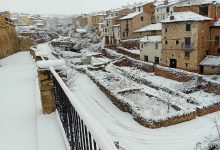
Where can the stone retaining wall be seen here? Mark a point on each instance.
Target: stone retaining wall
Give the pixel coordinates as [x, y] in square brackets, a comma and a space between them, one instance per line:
[208, 110]
[47, 93]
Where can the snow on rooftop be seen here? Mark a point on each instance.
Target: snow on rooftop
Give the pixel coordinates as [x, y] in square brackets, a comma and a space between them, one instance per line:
[144, 3]
[131, 15]
[81, 30]
[58, 64]
[185, 16]
[151, 27]
[151, 39]
[196, 2]
[169, 4]
[117, 25]
[216, 23]
[211, 61]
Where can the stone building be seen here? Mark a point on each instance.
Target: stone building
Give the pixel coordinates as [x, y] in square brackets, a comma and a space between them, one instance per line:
[210, 65]
[94, 19]
[215, 39]
[143, 15]
[80, 21]
[152, 29]
[185, 40]
[8, 38]
[163, 10]
[150, 49]
[111, 24]
[208, 8]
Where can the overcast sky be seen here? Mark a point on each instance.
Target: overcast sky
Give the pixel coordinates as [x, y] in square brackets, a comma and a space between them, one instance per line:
[61, 6]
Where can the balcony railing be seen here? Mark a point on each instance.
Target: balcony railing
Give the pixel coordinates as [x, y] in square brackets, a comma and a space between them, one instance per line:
[187, 47]
[82, 132]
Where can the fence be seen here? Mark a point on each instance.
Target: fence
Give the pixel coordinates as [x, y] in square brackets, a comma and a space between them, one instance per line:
[82, 131]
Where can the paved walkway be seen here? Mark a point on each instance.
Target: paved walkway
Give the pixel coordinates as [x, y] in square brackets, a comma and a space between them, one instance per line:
[22, 125]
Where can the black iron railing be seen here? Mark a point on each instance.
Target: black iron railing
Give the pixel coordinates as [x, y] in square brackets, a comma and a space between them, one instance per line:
[76, 130]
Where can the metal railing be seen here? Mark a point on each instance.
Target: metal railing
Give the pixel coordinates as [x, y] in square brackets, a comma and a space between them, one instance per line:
[187, 47]
[81, 130]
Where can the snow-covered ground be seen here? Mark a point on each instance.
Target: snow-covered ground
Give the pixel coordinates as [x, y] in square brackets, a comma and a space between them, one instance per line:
[23, 126]
[129, 133]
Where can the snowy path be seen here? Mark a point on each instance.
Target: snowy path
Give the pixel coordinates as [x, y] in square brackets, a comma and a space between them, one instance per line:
[22, 126]
[133, 136]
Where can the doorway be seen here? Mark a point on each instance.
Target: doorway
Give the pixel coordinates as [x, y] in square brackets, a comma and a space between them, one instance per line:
[173, 63]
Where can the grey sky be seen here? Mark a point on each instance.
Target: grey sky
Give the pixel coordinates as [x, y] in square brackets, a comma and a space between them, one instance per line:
[61, 6]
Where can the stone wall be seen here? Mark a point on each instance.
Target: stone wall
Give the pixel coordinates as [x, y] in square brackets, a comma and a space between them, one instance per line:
[46, 89]
[132, 55]
[208, 110]
[8, 39]
[25, 43]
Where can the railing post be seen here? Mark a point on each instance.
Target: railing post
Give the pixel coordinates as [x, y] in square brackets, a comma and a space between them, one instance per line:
[46, 89]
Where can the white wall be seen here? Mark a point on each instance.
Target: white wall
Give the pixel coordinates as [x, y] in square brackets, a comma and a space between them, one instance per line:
[150, 51]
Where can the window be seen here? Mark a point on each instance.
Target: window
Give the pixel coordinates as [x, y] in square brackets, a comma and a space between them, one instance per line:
[156, 45]
[168, 9]
[142, 18]
[204, 10]
[165, 29]
[187, 54]
[142, 45]
[140, 33]
[177, 42]
[156, 60]
[188, 27]
[123, 34]
[186, 65]
[218, 50]
[207, 52]
[166, 42]
[216, 40]
[213, 67]
[145, 58]
[127, 34]
[188, 41]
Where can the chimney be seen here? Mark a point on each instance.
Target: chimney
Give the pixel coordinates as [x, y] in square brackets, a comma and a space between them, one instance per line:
[165, 2]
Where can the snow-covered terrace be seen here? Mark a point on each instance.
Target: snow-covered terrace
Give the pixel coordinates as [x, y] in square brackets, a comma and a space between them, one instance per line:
[23, 126]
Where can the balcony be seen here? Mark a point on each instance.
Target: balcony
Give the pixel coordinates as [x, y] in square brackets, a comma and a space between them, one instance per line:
[187, 47]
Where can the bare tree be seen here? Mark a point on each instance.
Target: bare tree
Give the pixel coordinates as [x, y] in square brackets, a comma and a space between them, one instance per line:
[167, 97]
[215, 120]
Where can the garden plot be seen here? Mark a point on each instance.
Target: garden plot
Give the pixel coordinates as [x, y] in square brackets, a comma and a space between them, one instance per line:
[148, 107]
[133, 72]
[205, 99]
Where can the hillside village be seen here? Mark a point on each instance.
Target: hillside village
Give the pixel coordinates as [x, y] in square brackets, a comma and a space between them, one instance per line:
[142, 76]
[150, 30]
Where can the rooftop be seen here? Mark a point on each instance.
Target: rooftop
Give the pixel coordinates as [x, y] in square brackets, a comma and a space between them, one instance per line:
[151, 39]
[197, 2]
[131, 15]
[169, 4]
[210, 60]
[151, 27]
[185, 16]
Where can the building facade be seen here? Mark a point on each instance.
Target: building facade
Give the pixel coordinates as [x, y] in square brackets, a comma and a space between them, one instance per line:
[186, 48]
[150, 49]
